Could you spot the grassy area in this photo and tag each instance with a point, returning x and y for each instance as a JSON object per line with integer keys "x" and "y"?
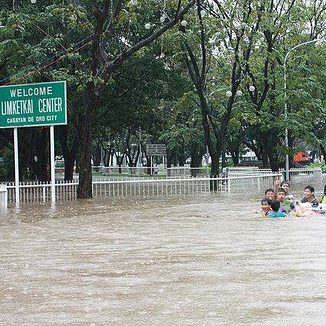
{"x": 156, "y": 176}
{"x": 316, "y": 165}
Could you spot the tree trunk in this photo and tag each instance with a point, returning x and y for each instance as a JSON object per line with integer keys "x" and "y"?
{"x": 223, "y": 159}
{"x": 85, "y": 169}
{"x": 264, "y": 151}
{"x": 85, "y": 129}
{"x": 69, "y": 167}
{"x": 215, "y": 167}
{"x": 149, "y": 169}
{"x": 196, "y": 157}
{"x": 97, "y": 155}
{"x": 235, "y": 157}
{"x": 265, "y": 159}
{"x": 273, "y": 160}
{"x": 181, "y": 159}
{"x": 169, "y": 159}
{"x": 119, "y": 162}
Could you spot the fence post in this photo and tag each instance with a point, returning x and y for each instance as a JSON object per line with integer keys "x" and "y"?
{"x": 321, "y": 175}
{"x": 258, "y": 183}
{"x": 44, "y": 193}
{"x": 229, "y": 184}
{"x": 3, "y": 196}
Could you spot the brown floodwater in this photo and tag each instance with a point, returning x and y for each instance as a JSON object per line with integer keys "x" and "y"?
{"x": 204, "y": 260}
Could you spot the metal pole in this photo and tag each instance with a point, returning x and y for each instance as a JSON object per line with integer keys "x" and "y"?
{"x": 52, "y": 163}
{"x": 16, "y": 165}
{"x": 287, "y": 161}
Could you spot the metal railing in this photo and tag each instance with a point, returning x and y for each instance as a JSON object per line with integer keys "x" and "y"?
{"x": 187, "y": 171}
{"x": 41, "y": 192}
{"x": 3, "y": 197}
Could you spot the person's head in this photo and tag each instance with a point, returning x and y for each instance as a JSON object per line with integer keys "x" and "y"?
{"x": 266, "y": 204}
{"x": 280, "y": 195}
{"x": 269, "y": 193}
{"x": 309, "y": 192}
{"x": 286, "y": 186}
{"x": 275, "y": 205}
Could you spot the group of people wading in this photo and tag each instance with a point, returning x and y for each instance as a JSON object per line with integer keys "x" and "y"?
{"x": 280, "y": 202}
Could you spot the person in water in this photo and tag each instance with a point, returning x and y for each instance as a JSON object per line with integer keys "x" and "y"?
{"x": 309, "y": 195}
{"x": 265, "y": 206}
{"x": 280, "y": 195}
{"x": 276, "y": 213}
{"x": 284, "y": 203}
{"x": 276, "y": 185}
{"x": 269, "y": 193}
{"x": 286, "y": 186}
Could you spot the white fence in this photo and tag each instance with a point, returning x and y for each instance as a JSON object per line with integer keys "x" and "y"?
{"x": 38, "y": 192}
{"x": 3, "y": 197}
{"x": 311, "y": 175}
{"x": 41, "y": 191}
{"x": 187, "y": 171}
{"x": 301, "y": 175}
{"x": 315, "y": 175}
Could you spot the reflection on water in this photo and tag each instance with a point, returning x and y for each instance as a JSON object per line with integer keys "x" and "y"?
{"x": 161, "y": 261}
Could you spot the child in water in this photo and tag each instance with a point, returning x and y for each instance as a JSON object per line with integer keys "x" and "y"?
{"x": 275, "y": 206}
{"x": 265, "y": 206}
{"x": 269, "y": 193}
{"x": 309, "y": 195}
{"x": 285, "y": 204}
{"x": 286, "y": 186}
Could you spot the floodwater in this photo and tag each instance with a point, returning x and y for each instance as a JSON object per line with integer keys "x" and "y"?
{"x": 205, "y": 260}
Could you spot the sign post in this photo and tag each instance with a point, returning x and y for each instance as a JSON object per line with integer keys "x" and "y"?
{"x": 33, "y": 105}
{"x": 155, "y": 150}
{"x": 16, "y": 165}
{"x": 52, "y": 158}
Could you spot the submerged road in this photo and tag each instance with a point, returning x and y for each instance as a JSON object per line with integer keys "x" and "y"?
{"x": 204, "y": 260}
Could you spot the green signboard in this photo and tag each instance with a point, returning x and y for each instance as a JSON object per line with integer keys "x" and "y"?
{"x": 33, "y": 105}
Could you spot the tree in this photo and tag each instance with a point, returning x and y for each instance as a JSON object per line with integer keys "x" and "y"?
{"x": 184, "y": 135}
{"x": 265, "y": 70}
{"x": 117, "y": 33}
{"x": 233, "y": 26}
{"x": 104, "y": 60}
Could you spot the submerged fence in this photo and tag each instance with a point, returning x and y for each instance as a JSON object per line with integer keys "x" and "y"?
{"x": 188, "y": 172}
{"x": 3, "y": 197}
{"x": 41, "y": 192}
{"x": 236, "y": 180}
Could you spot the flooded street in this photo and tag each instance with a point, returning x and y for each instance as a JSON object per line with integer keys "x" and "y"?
{"x": 205, "y": 260}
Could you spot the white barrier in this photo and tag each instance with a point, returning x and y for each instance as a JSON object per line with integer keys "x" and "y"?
{"x": 41, "y": 192}
{"x": 3, "y": 197}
